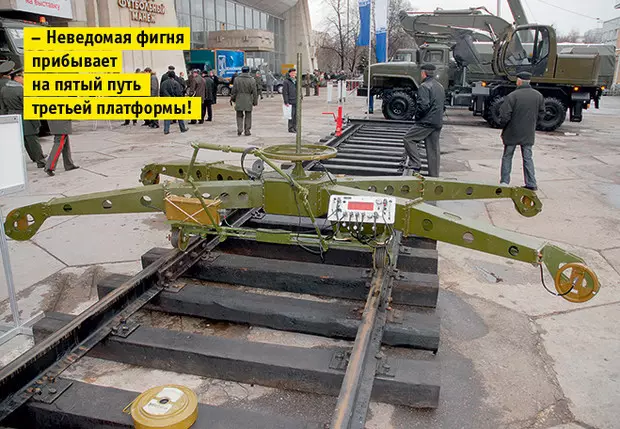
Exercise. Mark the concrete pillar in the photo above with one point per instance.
(298, 33)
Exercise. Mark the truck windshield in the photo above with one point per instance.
(402, 57)
(16, 36)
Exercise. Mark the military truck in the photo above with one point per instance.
(570, 79)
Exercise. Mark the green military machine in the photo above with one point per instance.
(362, 211)
(478, 56)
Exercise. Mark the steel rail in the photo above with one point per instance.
(20, 379)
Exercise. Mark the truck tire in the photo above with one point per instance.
(555, 114)
(492, 113)
(400, 106)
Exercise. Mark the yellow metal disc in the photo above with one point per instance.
(580, 280)
(170, 407)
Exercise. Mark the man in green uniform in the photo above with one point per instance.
(12, 103)
(245, 96)
(5, 76)
(61, 131)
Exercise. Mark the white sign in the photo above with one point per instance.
(12, 164)
(58, 8)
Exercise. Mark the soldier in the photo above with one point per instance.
(429, 120)
(270, 82)
(198, 89)
(5, 77)
(61, 131)
(12, 103)
(519, 113)
(245, 96)
(289, 94)
(259, 83)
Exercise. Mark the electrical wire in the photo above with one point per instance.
(568, 10)
(542, 279)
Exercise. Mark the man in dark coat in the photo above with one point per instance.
(135, 121)
(259, 83)
(60, 130)
(245, 97)
(5, 77)
(12, 103)
(428, 122)
(172, 88)
(289, 95)
(209, 91)
(216, 82)
(198, 89)
(519, 114)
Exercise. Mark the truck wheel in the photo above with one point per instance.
(400, 106)
(555, 114)
(492, 114)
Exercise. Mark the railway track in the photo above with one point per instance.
(380, 313)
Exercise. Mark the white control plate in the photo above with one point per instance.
(354, 209)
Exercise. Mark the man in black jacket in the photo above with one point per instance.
(216, 82)
(198, 89)
(172, 88)
(428, 122)
(289, 95)
(519, 113)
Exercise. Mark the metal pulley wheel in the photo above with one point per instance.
(576, 282)
(381, 257)
(179, 239)
(165, 407)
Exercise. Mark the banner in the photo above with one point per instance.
(381, 18)
(363, 38)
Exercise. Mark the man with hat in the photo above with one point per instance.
(12, 103)
(518, 115)
(5, 76)
(428, 122)
(198, 89)
(289, 95)
(245, 96)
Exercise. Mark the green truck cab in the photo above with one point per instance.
(479, 73)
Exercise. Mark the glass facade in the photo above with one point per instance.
(203, 16)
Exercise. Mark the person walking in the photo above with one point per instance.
(289, 95)
(216, 82)
(60, 130)
(428, 122)
(271, 80)
(172, 88)
(198, 89)
(245, 96)
(12, 103)
(259, 83)
(209, 91)
(154, 93)
(518, 114)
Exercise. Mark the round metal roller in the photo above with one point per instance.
(575, 282)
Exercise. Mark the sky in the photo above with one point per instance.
(537, 11)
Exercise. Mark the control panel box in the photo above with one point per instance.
(356, 209)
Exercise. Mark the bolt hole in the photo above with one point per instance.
(498, 191)
(513, 250)
(224, 196)
(527, 202)
(30, 219)
(106, 204)
(405, 189)
(468, 237)
(164, 401)
(198, 174)
(229, 178)
(243, 196)
(67, 207)
(145, 200)
(206, 195)
(389, 190)
(469, 191)
(220, 177)
(427, 224)
(181, 172)
(439, 190)
(372, 188)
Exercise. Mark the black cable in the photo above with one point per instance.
(329, 175)
(542, 279)
(314, 252)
